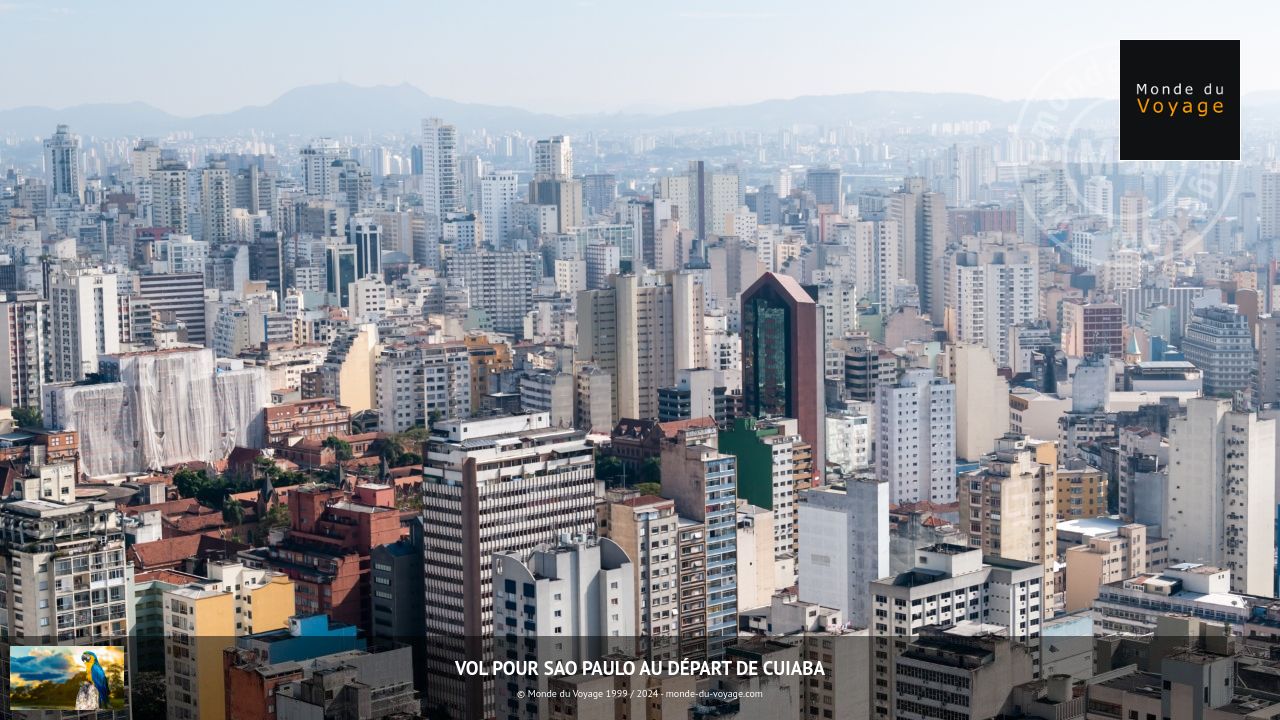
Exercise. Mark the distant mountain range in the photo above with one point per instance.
(343, 109)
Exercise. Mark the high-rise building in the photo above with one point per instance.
(1135, 220)
(772, 464)
(202, 616)
(1269, 207)
(1266, 388)
(217, 197)
(317, 160)
(499, 283)
(824, 184)
(702, 482)
(844, 545)
(553, 158)
(1099, 198)
(53, 546)
(170, 204)
(1221, 506)
(340, 272)
(62, 162)
(1092, 328)
(84, 321)
(921, 219)
(1008, 506)
(417, 384)
(583, 589)
(982, 406)
(782, 357)
(366, 236)
(440, 192)
(646, 527)
(499, 193)
(916, 448)
(599, 191)
(948, 585)
(24, 341)
(993, 287)
(177, 297)
(642, 330)
(1218, 340)
(602, 261)
(500, 484)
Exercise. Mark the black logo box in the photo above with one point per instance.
(1187, 68)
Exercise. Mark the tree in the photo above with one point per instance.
(648, 488)
(30, 417)
(341, 448)
(651, 471)
(147, 694)
(609, 469)
(233, 512)
(277, 516)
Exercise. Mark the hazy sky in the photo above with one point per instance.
(575, 56)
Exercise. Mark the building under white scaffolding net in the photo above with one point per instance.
(158, 408)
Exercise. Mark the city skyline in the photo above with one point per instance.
(714, 37)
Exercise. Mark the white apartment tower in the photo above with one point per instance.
(62, 161)
(84, 321)
(576, 596)
(844, 544)
(948, 585)
(24, 349)
(993, 287)
(499, 193)
(916, 452)
(553, 158)
(1220, 506)
(504, 484)
(439, 173)
(641, 330)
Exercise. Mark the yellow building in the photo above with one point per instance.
(1008, 505)
(203, 618)
(1082, 493)
(1127, 552)
(488, 360)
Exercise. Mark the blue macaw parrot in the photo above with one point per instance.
(99, 678)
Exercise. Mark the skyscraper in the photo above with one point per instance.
(62, 160)
(824, 183)
(1219, 342)
(1221, 506)
(782, 357)
(84, 321)
(553, 158)
(642, 329)
(703, 483)
(24, 318)
(439, 173)
(498, 195)
(922, 230)
(216, 199)
(169, 202)
(501, 484)
(916, 450)
(366, 236)
(844, 545)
